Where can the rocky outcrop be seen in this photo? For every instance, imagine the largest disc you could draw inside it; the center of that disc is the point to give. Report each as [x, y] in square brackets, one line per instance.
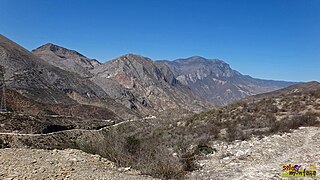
[66, 59]
[144, 85]
[216, 82]
[38, 79]
[42, 82]
[19, 104]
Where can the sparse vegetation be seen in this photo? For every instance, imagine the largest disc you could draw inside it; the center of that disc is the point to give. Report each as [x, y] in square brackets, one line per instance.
[138, 147]
[3, 144]
[243, 119]
[309, 119]
[150, 148]
[169, 148]
[234, 133]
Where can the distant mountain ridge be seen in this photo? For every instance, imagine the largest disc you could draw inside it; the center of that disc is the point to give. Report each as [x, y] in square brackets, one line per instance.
[302, 88]
[215, 81]
[146, 86]
[211, 80]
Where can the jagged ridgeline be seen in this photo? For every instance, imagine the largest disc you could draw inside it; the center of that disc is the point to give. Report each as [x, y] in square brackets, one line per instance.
[215, 81]
[38, 80]
[148, 86]
[137, 82]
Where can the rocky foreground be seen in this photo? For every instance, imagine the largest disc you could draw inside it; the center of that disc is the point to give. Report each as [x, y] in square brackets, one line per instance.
[262, 158]
[59, 164]
[253, 159]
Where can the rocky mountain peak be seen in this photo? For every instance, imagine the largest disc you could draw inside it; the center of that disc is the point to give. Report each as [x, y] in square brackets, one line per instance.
[57, 50]
[200, 59]
[69, 60]
[196, 58]
[143, 84]
[133, 66]
[48, 46]
[134, 58]
[215, 80]
[197, 68]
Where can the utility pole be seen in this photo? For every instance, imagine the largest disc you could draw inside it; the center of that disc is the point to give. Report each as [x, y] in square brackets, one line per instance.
[3, 106]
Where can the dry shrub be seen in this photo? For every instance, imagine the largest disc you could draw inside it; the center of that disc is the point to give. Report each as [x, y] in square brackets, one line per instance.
[235, 133]
[3, 144]
[144, 153]
[188, 162]
[315, 94]
[308, 119]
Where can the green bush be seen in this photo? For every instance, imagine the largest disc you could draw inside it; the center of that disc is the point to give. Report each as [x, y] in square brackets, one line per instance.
[133, 144]
[204, 149]
[3, 144]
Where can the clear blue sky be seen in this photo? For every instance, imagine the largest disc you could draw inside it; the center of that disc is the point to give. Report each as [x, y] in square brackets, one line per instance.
[272, 39]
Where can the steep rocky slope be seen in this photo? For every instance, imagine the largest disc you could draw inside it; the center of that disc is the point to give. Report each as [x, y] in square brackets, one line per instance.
[148, 87]
[140, 83]
[134, 81]
[215, 81]
[66, 59]
[17, 103]
[36, 79]
[40, 80]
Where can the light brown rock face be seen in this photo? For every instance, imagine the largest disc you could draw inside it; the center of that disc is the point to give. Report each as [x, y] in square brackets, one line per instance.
[142, 84]
[59, 164]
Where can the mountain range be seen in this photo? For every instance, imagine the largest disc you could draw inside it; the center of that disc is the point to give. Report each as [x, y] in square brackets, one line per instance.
[42, 82]
[160, 117]
[130, 84]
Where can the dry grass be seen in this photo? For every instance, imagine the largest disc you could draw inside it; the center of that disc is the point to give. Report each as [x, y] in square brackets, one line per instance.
[140, 149]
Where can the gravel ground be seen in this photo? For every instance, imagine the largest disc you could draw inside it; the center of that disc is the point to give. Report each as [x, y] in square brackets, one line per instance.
[59, 164]
[252, 159]
[262, 158]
